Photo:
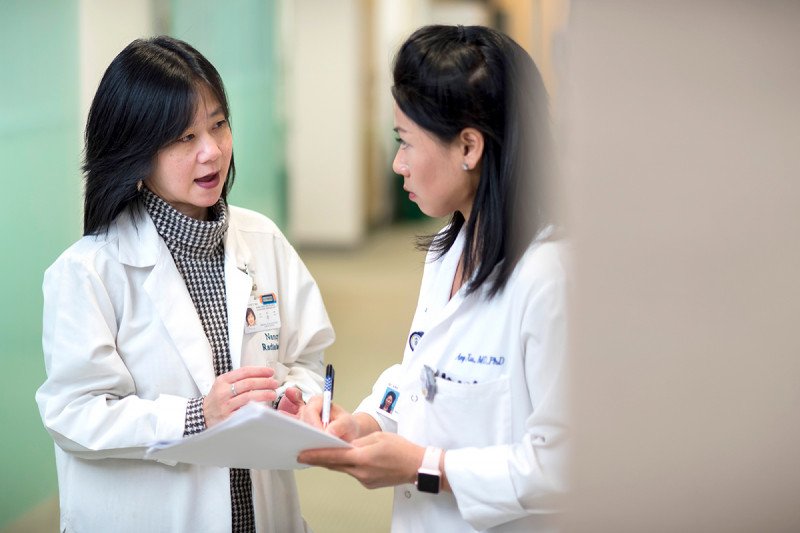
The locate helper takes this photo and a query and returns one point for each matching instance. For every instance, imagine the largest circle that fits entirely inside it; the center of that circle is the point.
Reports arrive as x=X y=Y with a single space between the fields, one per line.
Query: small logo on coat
x=414 y=338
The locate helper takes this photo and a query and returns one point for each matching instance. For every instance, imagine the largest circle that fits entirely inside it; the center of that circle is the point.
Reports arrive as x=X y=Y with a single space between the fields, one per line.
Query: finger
x=248 y=372
x=368 y=439
x=240 y=400
x=294 y=395
x=315 y=404
x=327 y=457
x=312 y=413
x=339 y=428
x=288 y=407
x=249 y=384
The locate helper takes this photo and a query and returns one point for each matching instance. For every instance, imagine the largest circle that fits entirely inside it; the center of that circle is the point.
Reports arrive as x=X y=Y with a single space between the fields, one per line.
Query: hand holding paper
x=255 y=436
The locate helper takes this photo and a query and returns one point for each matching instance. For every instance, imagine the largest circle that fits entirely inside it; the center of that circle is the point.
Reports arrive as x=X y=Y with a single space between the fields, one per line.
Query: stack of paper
x=255 y=436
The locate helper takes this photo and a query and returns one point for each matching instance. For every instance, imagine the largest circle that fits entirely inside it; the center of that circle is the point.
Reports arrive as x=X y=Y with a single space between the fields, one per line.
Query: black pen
x=327 y=396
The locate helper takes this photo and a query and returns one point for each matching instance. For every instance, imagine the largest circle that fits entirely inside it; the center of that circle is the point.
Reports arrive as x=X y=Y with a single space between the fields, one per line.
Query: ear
x=470 y=142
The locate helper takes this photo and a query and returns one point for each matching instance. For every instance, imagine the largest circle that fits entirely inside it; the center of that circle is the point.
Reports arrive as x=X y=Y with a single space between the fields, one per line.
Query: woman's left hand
x=377 y=460
x=292 y=402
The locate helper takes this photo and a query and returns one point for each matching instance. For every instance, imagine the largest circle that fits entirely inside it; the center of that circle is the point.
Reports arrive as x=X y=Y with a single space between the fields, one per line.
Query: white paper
x=255 y=436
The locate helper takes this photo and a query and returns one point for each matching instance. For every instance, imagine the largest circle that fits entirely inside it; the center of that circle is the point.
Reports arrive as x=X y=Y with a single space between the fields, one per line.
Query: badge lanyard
x=262 y=309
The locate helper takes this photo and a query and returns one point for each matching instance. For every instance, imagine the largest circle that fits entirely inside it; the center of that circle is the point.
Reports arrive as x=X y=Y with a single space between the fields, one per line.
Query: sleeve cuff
x=481 y=483
x=367 y=406
x=195 y=420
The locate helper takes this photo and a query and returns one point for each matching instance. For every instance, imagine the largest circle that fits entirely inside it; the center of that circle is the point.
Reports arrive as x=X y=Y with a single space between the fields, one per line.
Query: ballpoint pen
x=327 y=396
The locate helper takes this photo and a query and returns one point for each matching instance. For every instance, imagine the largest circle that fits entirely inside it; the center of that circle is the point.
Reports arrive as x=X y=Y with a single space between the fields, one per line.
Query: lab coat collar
x=238 y=286
x=139 y=242
x=439 y=306
x=141 y=246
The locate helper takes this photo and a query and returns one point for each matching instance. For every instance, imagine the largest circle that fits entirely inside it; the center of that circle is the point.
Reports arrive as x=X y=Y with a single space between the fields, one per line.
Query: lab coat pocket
x=469 y=414
x=263 y=349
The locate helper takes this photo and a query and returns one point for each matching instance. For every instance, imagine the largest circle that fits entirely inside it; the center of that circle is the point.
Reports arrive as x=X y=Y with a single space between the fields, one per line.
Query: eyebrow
x=217 y=111
x=398 y=129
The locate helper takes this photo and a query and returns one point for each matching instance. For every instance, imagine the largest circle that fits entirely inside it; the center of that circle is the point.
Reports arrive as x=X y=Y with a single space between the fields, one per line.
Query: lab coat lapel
x=440 y=307
x=238 y=286
x=141 y=246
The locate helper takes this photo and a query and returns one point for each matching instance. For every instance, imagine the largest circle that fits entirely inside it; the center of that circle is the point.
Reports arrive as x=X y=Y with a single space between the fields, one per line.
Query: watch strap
x=430 y=461
x=429 y=477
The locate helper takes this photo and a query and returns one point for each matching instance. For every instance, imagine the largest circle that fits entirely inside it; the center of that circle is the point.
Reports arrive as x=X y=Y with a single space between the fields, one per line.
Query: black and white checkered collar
x=186 y=234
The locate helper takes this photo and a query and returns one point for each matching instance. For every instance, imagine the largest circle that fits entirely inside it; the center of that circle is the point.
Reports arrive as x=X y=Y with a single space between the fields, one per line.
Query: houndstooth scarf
x=197 y=247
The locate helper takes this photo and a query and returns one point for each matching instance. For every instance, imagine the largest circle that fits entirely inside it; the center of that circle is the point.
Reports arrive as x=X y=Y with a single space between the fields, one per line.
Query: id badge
x=389 y=401
x=262 y=312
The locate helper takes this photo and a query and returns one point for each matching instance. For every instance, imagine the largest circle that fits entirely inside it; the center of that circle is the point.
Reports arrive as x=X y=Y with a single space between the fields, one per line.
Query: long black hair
x=447 y=78
x=145 y=100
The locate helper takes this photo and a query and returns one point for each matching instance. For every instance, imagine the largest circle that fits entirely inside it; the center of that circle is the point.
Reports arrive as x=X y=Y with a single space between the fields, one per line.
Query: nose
x=209 y=150
x=398 y=166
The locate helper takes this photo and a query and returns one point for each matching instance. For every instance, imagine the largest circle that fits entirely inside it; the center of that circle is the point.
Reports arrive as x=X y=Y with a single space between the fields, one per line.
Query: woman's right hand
x=236 y=388
x=342 y=424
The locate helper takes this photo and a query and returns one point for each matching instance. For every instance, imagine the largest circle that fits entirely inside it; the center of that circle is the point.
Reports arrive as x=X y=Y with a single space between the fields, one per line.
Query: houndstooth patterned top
x=197 y=247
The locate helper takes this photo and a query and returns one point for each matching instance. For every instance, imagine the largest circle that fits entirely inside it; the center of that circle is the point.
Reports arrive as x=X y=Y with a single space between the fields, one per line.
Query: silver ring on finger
x=233 y=389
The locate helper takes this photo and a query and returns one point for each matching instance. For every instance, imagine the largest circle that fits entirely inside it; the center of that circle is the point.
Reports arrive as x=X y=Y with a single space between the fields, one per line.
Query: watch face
x=427 y=482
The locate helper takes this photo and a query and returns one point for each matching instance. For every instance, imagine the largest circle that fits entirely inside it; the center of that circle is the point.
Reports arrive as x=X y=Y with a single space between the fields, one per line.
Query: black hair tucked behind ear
x=145 y=100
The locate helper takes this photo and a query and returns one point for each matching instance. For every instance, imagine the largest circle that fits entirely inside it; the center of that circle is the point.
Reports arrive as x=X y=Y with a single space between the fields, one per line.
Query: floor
x=370 y=294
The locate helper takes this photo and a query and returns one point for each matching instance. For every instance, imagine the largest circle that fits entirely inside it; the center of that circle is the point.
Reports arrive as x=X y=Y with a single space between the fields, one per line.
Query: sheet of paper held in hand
x=255 y=436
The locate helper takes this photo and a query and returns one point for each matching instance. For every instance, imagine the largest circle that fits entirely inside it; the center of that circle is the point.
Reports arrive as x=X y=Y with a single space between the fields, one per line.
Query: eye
x=186 y=138
x=401 y=142
x=220 y=123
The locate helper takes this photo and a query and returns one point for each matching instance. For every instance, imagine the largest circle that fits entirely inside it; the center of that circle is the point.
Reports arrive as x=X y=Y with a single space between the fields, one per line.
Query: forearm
x=99 y=429
x=366 y=424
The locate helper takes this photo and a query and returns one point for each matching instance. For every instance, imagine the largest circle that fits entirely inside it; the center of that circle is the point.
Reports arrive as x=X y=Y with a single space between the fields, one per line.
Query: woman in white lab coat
x=478 y=417
x=145 y=333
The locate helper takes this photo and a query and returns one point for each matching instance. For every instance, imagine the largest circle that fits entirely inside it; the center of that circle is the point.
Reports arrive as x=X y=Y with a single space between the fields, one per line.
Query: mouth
x=209 y=181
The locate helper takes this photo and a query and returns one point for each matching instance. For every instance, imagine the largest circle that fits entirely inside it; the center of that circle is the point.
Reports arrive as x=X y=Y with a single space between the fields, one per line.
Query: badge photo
x=262 y=313
x=389 y=401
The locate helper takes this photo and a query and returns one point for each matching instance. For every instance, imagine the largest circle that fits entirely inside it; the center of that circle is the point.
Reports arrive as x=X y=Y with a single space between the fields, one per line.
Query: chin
x=211 y=198
x=432 y=213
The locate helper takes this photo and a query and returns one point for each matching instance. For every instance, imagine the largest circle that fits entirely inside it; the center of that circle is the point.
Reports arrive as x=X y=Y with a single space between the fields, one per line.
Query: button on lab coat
x=499 y=407
x=124 y=352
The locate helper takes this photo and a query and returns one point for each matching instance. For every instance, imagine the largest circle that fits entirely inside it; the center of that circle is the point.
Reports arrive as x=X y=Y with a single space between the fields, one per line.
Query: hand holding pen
x=320 y=412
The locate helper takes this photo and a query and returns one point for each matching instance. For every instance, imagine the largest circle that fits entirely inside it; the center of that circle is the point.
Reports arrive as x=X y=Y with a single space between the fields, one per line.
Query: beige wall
x=538 y=26
x=683 y=173
x=105 y=28
x=325 y=92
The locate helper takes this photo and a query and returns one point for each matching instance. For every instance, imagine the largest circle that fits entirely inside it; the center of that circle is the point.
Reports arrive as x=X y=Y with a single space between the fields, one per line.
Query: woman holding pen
x=173 y=310
x=478 y=417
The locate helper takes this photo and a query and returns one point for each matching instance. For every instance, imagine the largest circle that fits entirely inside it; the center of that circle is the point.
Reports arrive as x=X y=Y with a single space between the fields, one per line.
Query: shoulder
x=249 y=221
x=541 y=275
x=544 y=261
x=90 y=253
x=258 y=232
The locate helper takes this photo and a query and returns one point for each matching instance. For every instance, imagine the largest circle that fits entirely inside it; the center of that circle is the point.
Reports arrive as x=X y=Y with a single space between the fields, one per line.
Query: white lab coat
x=124 y=352
x=503 y=427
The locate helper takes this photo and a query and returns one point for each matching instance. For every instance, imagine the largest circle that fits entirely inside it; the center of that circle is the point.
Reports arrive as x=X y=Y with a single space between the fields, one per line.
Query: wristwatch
x=429 y=477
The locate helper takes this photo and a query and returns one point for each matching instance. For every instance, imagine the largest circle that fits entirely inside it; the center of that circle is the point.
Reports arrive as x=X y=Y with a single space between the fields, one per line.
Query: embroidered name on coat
x=272 y=342
x=481 y=359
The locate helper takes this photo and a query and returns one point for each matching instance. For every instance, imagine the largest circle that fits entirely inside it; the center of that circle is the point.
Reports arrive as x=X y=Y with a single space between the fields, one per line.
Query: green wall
x=240 y=38
x=39 y=158
x=40 y=150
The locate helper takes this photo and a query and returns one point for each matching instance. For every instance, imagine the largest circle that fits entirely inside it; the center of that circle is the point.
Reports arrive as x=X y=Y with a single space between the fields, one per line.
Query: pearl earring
x=464 y=166
x=139 y=185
